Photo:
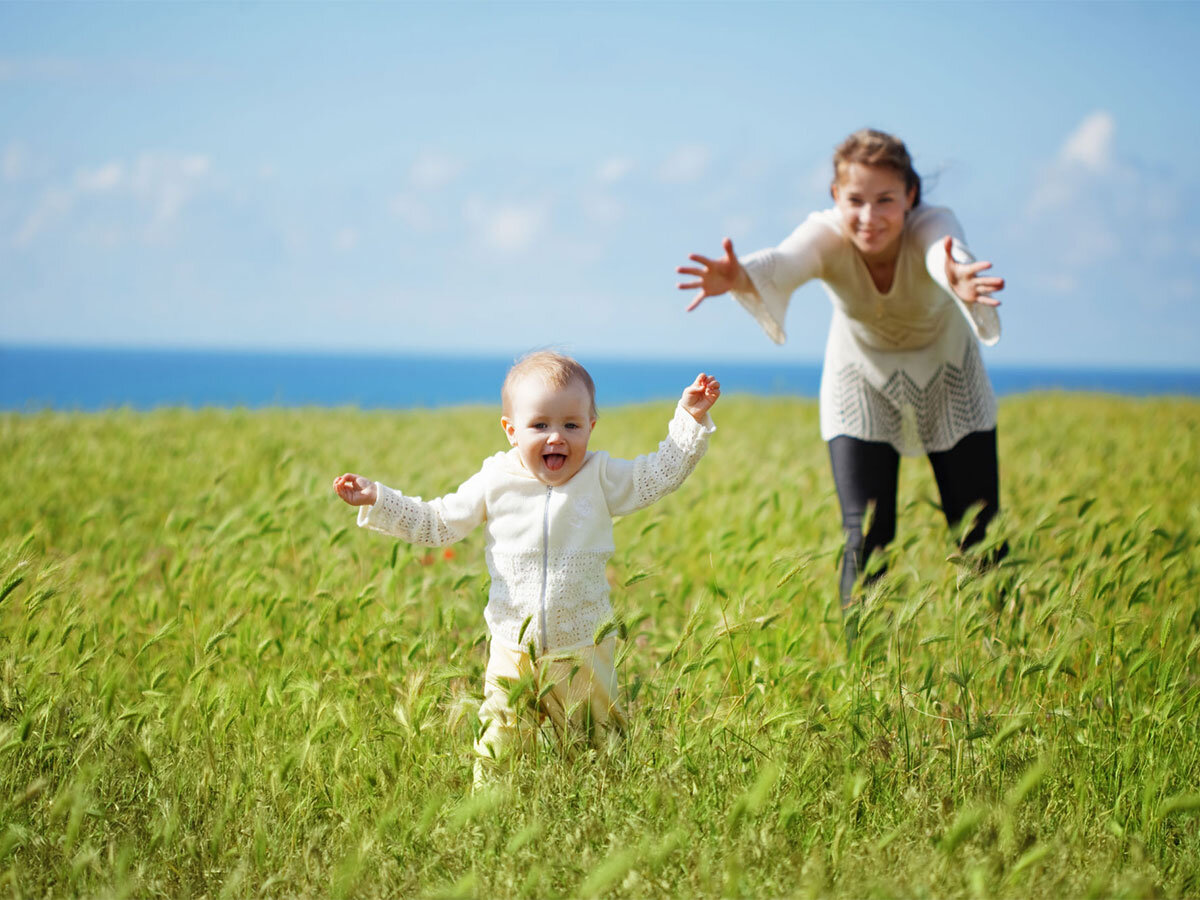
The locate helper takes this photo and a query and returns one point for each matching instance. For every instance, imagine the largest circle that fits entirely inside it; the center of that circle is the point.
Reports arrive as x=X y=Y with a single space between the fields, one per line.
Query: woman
x=902 y=369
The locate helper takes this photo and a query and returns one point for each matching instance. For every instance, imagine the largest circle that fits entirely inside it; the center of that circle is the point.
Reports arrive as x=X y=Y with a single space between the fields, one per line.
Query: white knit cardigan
x=546 y=547
x=901 y=366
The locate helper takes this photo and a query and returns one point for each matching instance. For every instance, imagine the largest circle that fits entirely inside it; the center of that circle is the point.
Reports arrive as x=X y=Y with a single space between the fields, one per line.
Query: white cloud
x=15 y=165
x=507 y=227
x=53 y=205
x=1094 y=217
x=414 y=212
x=345 y=240
x=1085 y=155
x=1063 y=284
x=104 y=178
x=431 y=171
x=194 y=166
x=1090 y=144
x=159 y=185
x=685 y=165
x=165 y=183
x=614 y=169
x=737 y=225
x=603 y=209
x=39 y=69
x=1183 y=288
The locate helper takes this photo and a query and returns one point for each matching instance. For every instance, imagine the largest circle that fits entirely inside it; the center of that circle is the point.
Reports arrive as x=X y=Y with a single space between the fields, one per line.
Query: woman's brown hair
x=869 y=147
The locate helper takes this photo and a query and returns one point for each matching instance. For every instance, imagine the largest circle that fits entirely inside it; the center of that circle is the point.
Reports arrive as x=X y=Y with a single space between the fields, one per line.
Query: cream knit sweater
x=901 y=367
x=546 y=547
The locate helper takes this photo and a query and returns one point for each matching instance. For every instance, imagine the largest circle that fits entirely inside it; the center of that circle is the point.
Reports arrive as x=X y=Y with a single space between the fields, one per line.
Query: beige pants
x=577 y=691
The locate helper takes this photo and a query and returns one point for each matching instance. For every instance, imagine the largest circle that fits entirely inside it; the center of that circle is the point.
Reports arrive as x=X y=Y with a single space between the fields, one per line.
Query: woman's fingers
x=689 y=285
x=703 y=260
x=697 y=301
x=690 y=270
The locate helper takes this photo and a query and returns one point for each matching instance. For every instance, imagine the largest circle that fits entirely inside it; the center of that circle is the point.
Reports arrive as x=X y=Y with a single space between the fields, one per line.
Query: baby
x=547 y=507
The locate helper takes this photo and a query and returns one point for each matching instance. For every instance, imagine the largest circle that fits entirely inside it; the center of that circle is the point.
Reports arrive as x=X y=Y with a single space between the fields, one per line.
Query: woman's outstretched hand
x=699 y=396
x=966 y=282
x=356 y=490
x=716 y=275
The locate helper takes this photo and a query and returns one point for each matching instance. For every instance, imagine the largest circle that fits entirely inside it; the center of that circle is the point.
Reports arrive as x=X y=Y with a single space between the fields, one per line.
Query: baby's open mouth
x=555 y=461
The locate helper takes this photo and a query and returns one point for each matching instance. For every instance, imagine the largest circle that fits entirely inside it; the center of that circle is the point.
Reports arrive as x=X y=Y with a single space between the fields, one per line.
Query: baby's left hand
x=699 y=396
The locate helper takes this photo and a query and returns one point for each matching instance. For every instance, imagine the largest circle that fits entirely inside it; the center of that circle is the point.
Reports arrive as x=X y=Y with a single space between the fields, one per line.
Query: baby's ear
x=510 y=430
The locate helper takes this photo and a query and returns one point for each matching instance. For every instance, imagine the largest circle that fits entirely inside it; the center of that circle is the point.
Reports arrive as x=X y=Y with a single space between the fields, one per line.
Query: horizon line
x=603 y=356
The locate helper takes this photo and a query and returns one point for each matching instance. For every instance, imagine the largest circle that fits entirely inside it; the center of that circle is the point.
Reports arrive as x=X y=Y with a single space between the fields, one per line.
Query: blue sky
x=491 y=178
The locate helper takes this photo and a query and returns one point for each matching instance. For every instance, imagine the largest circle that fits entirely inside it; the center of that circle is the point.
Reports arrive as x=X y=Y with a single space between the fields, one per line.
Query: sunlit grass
x=212 y=682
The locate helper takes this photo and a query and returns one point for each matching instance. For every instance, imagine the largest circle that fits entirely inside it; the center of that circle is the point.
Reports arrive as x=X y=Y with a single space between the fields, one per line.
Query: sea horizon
x=91 y=379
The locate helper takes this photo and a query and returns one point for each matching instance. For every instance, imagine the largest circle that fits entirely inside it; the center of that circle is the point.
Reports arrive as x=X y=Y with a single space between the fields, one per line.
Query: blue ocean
x=62 y=378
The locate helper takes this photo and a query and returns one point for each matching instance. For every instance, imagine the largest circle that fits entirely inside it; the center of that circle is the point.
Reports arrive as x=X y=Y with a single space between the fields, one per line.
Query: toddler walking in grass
x=547 y=507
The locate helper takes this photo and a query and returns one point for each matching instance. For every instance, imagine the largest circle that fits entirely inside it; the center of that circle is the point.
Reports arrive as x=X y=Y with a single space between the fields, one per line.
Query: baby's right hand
x=356 y=490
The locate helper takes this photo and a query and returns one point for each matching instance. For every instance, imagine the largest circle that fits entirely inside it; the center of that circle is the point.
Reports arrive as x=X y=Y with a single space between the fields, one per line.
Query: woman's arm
x=763 y=282
x=952 y=266
x=717 y=276
x=965 y=281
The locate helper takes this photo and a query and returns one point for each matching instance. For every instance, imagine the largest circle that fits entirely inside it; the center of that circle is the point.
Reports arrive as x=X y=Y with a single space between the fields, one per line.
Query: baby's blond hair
x=554 y=369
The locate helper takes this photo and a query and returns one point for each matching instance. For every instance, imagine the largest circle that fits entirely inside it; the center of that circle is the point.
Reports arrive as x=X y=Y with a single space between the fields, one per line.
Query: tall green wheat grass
x=213 y=684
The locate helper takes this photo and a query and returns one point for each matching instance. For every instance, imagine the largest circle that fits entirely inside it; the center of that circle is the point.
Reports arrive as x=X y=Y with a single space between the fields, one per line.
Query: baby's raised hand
x=356 y=490
x=699 y=396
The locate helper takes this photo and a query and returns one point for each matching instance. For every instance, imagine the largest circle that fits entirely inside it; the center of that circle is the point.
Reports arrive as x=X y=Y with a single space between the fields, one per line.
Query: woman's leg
x=865 y=474
x=966 y=474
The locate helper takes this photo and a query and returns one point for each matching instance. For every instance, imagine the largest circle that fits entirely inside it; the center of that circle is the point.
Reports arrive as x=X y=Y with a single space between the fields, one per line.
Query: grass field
x=213 y=684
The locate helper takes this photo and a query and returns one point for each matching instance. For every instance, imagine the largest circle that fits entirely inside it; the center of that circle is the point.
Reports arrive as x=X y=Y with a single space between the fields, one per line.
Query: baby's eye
x=539 y=425
x=572 y=425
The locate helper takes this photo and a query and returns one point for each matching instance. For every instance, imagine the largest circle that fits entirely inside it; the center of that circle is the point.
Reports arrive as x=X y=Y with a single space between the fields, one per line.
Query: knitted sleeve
x=432 y=523
x=778 y=271
x=630 y=484
x=931 y=233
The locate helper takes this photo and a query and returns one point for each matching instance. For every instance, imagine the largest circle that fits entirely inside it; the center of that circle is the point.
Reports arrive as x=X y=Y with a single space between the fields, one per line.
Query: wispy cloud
x=415 y=212
x=105 y=178
x=614 y=169
x=603 y=209
x=432 y=171
x=1090 y=207
x=345 y=240
x=42 y=69
x=1090 y=145
x=158 y=186
x=16 y=162
x=53 y=205
x=507 y=226
x=685 y=165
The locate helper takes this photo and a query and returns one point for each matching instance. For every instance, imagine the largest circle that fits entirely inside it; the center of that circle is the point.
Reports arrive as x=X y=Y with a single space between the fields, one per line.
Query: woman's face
x=873 y=203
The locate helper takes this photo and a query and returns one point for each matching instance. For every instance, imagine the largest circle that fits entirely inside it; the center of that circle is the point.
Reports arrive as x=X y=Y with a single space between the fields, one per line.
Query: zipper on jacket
x=545 y=563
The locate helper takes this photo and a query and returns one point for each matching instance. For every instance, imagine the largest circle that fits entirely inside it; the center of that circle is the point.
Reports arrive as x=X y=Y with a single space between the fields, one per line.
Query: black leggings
x=866 y=472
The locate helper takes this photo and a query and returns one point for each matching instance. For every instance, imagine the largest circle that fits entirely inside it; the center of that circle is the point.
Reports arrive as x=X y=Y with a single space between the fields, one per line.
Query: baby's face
x=550 y=428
